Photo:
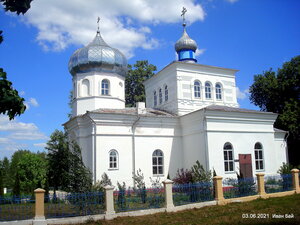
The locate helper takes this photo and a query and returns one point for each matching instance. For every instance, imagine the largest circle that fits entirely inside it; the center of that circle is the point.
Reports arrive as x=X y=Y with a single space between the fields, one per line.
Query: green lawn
x=230 y=214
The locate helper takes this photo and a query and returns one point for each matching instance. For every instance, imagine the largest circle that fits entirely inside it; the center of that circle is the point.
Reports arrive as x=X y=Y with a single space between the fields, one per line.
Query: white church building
x=191 y=113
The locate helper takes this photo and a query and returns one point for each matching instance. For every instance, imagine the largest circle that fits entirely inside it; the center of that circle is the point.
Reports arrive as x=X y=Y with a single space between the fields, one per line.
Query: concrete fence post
x=218 y=189
x=168 y=184
x=39 y=218
x=295 y=177
x=109 y=202
x=261 y=185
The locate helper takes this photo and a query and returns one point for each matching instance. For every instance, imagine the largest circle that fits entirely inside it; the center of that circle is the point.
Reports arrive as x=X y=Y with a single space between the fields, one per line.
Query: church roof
x=98 y=56
x=133 y=111
x=233 y=109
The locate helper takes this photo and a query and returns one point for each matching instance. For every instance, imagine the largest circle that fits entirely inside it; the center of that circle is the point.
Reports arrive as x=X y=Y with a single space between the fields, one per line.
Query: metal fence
x=191 y=193
x=278 y=183
x=16 y=208
x=234 y=188
x=137 y=199
x=74 y=204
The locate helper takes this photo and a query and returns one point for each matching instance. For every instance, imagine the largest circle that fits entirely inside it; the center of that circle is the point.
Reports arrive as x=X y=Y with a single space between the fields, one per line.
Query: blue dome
x=98 y=56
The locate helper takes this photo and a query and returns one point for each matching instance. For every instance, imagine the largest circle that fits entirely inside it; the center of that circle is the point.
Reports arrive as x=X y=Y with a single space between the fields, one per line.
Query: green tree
x=6 y=169
x=10 y=101
x=32 y=172
x=279 y=92
x=134 y=88
x=66 y=170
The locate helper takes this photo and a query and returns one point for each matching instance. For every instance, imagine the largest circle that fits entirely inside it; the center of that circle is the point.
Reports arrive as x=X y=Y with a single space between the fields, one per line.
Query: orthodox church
x=191 y=113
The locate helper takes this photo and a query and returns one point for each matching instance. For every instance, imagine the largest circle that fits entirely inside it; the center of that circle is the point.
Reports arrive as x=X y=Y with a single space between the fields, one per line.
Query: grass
x=230 y=214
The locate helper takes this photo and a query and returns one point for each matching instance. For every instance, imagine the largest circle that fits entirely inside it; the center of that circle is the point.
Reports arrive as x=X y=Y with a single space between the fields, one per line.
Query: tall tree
x=66 y=170
x=279 y=92
x=137 y=74
x=32 y=172
x=10 y=101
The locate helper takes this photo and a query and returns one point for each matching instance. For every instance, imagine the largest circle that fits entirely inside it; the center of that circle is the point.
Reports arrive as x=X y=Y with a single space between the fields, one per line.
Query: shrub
x=138 y=179
x=183 y=176
x=199 y=174
x=99 y=185
x=121 y=196
x=285 y=169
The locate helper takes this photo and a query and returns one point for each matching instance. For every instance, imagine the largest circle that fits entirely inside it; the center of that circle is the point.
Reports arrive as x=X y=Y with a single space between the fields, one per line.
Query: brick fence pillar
x=109 y=202
x=168 y=184
x=39 y=218
x=261 y=185
x=218 y=189
x=295 y=177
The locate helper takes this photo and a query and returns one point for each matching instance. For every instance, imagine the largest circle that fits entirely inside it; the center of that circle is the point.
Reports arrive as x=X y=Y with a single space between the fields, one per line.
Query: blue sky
x=251 y=36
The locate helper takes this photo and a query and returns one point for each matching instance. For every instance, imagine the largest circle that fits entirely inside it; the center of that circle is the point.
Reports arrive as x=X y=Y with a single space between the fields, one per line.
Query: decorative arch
x=166 y=93
x=85 y=90
x=105 y=87
x=259 y=156
x=160 y=96
x=208 y=90
x=228 y=157
x=197 y=89
x=158 y=162
x=219 y=91
x=113 y=159
x=155 y=98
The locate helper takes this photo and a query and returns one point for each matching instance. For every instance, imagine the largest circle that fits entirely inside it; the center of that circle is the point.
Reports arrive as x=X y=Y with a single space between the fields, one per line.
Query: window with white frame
x=166 y=93
x=218 y=92
x=158 y=162
x=259 y=158
x=113 y=159
x=228 y=157
x=105 y=87
x=197 y=89
x=155 y=98
x=160 y=96
x=207 y=90
x=85 y=88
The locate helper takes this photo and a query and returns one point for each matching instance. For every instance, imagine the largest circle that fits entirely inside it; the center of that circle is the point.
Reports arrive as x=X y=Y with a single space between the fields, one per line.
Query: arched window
x=158 y=162
x=228 y=157
x=160 y=96
x=155 y=98
x=105 y=87
x=113 y=159
x=207 y=90
x=218 y=92
x=259 y=158
x=166 y=93
x=85 y=88
x=197 y=89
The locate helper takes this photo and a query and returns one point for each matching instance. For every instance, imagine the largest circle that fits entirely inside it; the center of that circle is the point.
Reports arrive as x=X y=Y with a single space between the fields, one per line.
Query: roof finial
x=183 y=14
x=98 y=20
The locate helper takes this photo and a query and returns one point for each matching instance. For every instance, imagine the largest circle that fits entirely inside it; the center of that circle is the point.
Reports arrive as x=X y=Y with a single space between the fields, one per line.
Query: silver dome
x=98 y=56
x=185 y=42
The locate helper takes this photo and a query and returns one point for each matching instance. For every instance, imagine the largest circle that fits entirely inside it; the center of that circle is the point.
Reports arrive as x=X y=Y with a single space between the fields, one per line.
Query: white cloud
x=19 y=130
x=231 y=1
x=123 y=23
x=31 y=102
x=241 y=94
x=199 y=52
x=42 y=145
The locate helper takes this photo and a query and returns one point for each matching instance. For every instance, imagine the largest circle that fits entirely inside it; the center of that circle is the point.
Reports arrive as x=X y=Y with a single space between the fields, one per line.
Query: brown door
x=245 y=165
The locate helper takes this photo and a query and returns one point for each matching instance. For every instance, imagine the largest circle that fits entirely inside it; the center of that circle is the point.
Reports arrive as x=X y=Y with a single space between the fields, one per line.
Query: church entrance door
x=245 y=165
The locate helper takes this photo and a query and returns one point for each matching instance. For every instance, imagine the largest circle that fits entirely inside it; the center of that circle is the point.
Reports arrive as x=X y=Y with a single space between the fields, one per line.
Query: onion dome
x=99 y=57
x=186 y=47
